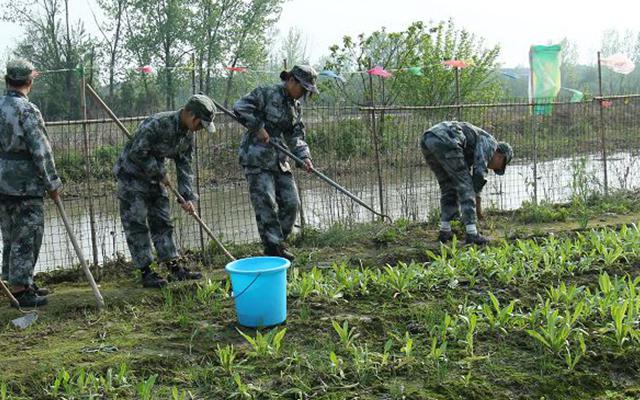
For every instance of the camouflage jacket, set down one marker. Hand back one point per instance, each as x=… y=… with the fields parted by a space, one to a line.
x=477 y=146
x=160 y=136
x=271 y=108
x=27 y=167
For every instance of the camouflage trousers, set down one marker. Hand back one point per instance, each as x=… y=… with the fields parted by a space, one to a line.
x=145 y=218
x=22 y=223
x=274 y=197
x=446 y=160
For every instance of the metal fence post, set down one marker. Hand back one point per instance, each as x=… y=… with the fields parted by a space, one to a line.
x=459 y=108
x=197 y=156
x=601 y=128
x=303 y=220
x=374 y=133
x=535 y=158
x=87 y=166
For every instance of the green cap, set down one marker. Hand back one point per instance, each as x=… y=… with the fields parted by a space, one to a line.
x=19 y=69
x=204 y=109
x=504 y=148
x=307 y=76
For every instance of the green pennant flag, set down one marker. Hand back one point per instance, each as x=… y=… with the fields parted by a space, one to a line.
x=417 y=71
x=545 y=77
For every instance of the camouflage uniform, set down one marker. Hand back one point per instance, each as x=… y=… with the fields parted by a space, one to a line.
x=139 y=171
x=271 y=185
x=27 y=170
x=451 y=150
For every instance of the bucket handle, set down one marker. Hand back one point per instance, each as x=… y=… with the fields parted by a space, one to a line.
x=233 y=296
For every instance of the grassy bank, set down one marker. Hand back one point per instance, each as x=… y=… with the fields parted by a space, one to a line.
x=376 y=311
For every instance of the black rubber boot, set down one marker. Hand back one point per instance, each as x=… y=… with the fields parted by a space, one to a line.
x=475 y=239
x=445 y=236
x=179 y=272
x=29 y=298
x=40 y=291
x=151 y=279
x=278 y=251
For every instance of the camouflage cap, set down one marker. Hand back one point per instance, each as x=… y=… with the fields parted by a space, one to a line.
x=19 y=69
x=307 y=76
x=204 y=109
x=504 y=148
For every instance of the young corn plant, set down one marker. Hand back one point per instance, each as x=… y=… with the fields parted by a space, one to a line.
x=622 y=328
x=498 y=317
x=471 y=320
x=301 y=285
x=243 y=390
x=563 y=294
x=206 y=292
x=401 y=279
x=347 y=278
x=226 y=357
x=346 y=336
x=336 y=366
x=572 y=359
x=268 y=345
x=145 y=388
x=177 y=394
x=554 y=333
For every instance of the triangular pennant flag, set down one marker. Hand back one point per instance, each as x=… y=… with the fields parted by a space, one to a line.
x=236 y=69
x=576 y=95
x=619 y=63
x=455 y=64
x=379 y=71
x=147 y=69
x=417 y=71
x=509 y=75
x=330 y=74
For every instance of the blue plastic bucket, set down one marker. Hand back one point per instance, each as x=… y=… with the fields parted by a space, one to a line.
x=260 y=290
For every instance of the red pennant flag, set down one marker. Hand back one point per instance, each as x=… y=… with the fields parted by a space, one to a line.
x=236 y=69
x=455 y=64
x=147 y=69
x=379 y=71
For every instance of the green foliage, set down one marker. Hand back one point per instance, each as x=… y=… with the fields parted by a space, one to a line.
x=346 y=335
x=268 y=345
x=417 y=46
x=542 y=212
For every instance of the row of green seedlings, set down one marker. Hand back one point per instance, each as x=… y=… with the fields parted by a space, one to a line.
x=347 y=360
x=573 y=318
x=521 y=262
x=84 y=384
x=565 y=323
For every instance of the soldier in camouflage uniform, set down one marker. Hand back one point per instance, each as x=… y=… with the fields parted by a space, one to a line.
x=144 y=204
x=452 y=149
x=274 y=114
x=27 y=171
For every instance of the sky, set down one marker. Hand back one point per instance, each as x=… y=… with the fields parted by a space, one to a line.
x=514 y=25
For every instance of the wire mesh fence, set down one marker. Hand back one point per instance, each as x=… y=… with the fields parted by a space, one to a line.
x=373 y=152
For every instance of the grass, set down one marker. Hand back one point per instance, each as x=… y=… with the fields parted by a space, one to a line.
x=375 y=311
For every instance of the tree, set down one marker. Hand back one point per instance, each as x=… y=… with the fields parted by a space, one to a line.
x=52 y=42
x=294 y=47
x=112 y=30
x=247 y=39
x=157 y=29
x=417 y=46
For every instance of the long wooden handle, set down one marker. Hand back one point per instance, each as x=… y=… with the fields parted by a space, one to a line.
x=319 y=174
x=201 y=222
x=74 y=242
x=6 y=291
